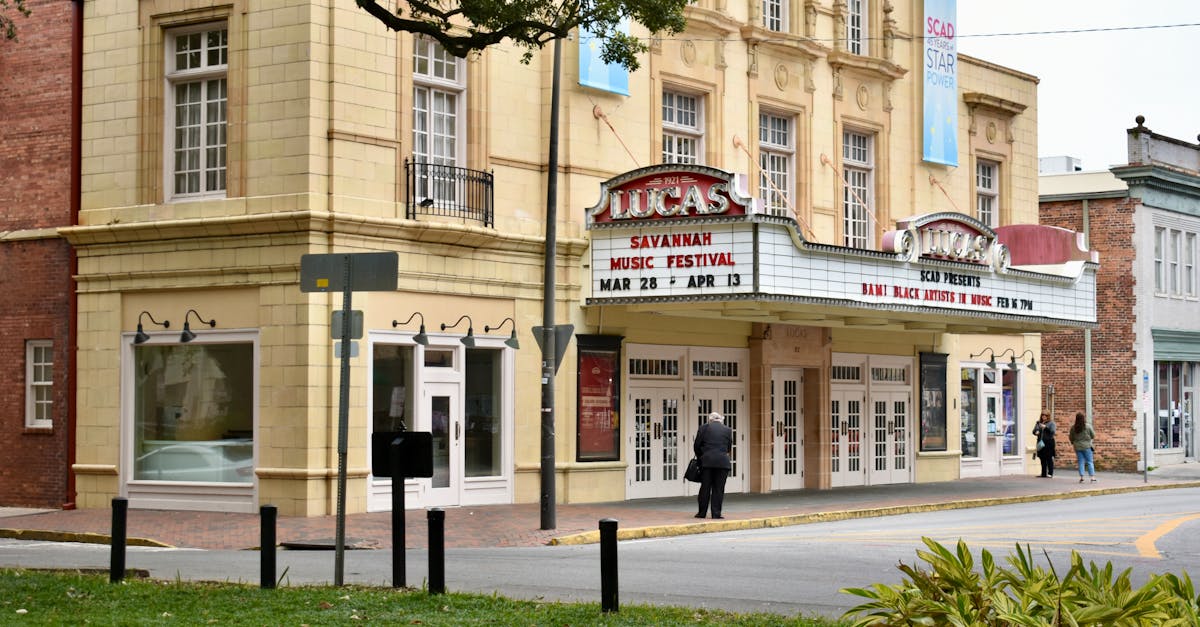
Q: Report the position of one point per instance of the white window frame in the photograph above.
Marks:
(1189, 265)
(1173, 242)
(987, 192)
(39, 384)
(438, 115)
(682, 127)
(858, 189)
(776, 162)
(775, 15)
(212, 125)
(857, 26)
(1160, 248)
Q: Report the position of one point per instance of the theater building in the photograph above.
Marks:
(749, 223)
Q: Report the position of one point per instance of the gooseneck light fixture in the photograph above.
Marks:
(187, 334)
(511, 342)
(1032, 362)
(468, 340)
(420, 337)
(1012, 361)
(141, 336)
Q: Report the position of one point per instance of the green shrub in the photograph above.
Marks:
(953, 591)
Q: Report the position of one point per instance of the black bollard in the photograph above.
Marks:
(437, 550)
(608, 565)
(116, 565)
(398, 541)
(266, 548)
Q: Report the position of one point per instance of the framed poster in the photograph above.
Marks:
(598, 428)
(933, 401)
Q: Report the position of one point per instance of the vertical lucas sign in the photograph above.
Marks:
(941, 83)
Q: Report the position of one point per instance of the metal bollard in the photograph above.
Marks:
(608, 565)
(266, 546)
(116, 564)
(437, 550)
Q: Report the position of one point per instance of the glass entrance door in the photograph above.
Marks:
(787, 416)
(444, 411)
(655, 443)
(845, 432)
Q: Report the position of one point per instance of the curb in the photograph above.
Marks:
(665, 531)
(76, 536)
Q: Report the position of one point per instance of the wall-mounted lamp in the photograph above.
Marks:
(187, 334)
(141, 336)
(420, 337)
(511, 342)
(1032, 362)
(991, 357)
(468, 340)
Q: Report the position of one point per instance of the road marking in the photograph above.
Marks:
(1145, 544)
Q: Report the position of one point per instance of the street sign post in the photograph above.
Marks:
(348, 273)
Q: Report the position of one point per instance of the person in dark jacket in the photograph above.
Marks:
(1045, 430)
(713, 444)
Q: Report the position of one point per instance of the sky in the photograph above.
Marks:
(1093, 84)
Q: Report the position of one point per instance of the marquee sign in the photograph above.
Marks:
(953, 236)
(666, 192)
(678, 250)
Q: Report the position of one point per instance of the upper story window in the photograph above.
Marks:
(682, 127)
(439, 135)
(858, 196)
(197, 65)
(1174, 262)
(39, 383)
(1189, 265)
(987, 192)
(776, 159)
(856, 26)
(775, 16)
(1160, 273)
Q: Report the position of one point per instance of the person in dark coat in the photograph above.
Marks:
(1045, 430)
(713, 445)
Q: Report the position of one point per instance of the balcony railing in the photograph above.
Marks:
(450, 191)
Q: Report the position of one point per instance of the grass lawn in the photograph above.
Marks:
(34, 597)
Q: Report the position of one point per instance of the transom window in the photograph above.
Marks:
(858, 168)
(856, 26)
(197, 65)
(987, 191)
(39, 383)
(774, 15)
(775, 161)
(682, 124)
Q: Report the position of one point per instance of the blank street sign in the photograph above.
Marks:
(369, 272)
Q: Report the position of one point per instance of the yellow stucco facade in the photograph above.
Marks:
(318, 123)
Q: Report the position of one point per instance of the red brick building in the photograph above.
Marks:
(39, 164)
(1135, 376)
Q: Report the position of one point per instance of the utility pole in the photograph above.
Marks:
(549, 352)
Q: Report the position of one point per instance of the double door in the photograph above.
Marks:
(869, 438)
(662, 426)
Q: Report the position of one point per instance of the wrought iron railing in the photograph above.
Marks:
(446, 190)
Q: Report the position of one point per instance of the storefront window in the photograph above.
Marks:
(482, 447)
(1173, 403)
(194, 412)
(1008, 418)
(392, 405)
(969, 401)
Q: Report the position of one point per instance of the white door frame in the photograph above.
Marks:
(871, 418)
(787, 427)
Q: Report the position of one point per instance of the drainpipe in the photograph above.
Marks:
(73, 259)
(1087, 333)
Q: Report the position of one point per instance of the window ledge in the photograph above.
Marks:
(38, 430)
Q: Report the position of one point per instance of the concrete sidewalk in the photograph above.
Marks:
(519, 524)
